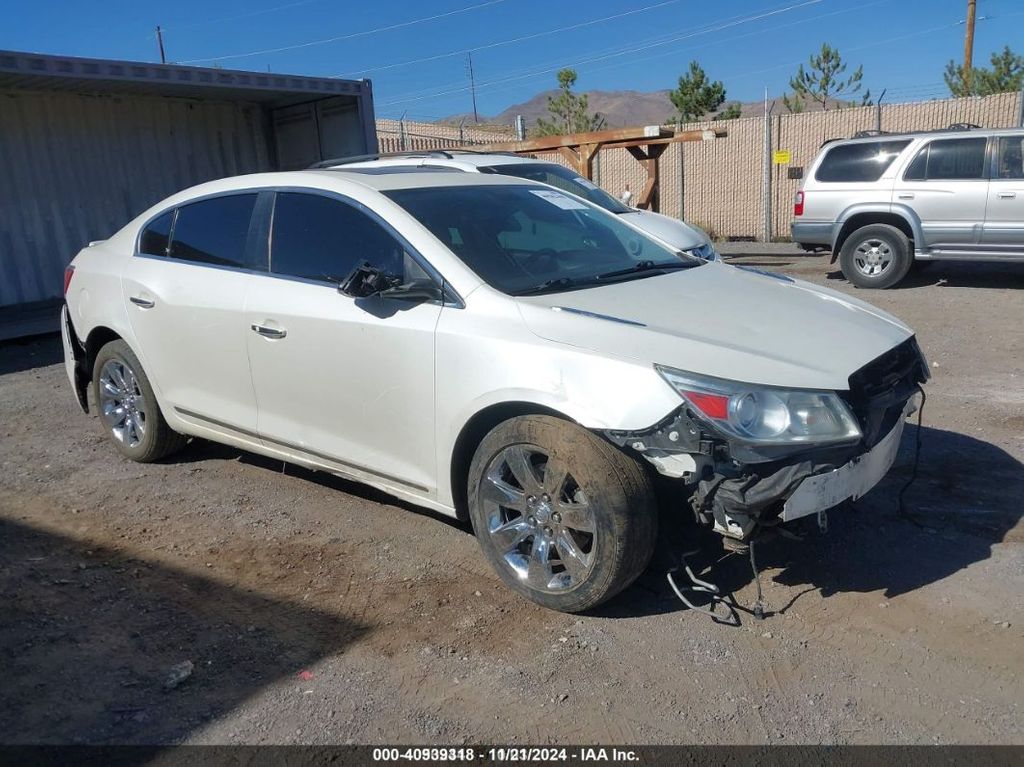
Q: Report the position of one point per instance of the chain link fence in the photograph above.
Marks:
(721, 184)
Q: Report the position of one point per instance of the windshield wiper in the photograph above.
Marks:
(646, 266)
(558, 283)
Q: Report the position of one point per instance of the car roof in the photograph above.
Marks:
(415, 179)
(941, 133)
(452, 158)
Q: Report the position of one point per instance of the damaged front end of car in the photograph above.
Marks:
(751, 457)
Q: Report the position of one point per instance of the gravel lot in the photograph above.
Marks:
(313, 610)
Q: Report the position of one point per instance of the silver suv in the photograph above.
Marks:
(881, 202)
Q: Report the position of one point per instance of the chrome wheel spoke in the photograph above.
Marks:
(577, 516)
(497, 491)
(539, 570)
(509, 535)
(517, 458)
(575, 561)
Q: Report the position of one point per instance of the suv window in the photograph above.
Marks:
(859, 162)
(949, 160)
(213, 231)
(157, 236)
(1010, 157)
(319, 238)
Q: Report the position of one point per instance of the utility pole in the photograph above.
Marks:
(160, 41)
(969, 44)
(472, 88)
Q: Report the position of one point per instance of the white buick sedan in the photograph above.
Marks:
(493, 349)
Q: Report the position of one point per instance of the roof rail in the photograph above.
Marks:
(868, 133)
(964, 126)
(380, 156)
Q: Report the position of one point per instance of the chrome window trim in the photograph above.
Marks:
(137, 250)
(452, 299)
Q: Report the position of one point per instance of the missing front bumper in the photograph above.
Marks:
(736, 506)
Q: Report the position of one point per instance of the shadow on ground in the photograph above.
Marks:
(956, 274)
(30, 353)
(965, 500)
(106, 629)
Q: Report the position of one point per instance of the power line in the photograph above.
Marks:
(713, 27)
(349, 36)
(510, 41)
(239, 16)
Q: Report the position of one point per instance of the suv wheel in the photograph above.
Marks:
(565, 518)
(876, 256)
(127, 406)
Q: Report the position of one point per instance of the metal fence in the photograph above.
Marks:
(406, 136)
(721, 184)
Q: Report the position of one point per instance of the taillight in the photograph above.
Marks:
(798, 204)
(69, 272)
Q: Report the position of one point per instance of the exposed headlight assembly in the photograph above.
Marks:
(764, 415)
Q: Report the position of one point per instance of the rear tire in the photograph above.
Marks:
(565, 518)
(876, 256)
(128, 408)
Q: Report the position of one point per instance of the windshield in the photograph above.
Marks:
(562, 178)
(528, 239)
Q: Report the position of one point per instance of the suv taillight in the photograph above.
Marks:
(798, 204)
(69, 272)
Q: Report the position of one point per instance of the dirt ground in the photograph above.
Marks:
(313, 610)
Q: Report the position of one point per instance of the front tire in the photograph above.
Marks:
(876, 256)
(127, 406)
(565, 518)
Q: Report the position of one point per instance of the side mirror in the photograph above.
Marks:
(364, 281)
(415, 290)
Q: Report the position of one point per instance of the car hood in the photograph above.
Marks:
(670, 230)
(719, 320)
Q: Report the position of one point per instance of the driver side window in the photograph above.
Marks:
(316, 237)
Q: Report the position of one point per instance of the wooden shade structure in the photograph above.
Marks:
(645, 143)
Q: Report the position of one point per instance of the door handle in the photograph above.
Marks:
(142, 303)
(906, 196)
(266, 332)
(1007, 195)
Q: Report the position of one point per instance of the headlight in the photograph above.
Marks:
(706, 252)
(763, 414)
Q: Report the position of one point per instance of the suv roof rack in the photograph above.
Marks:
(963, 126)
(867, 133)
(380, 156)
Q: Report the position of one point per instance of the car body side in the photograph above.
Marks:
(487, 363)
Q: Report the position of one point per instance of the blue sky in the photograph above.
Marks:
(414, 51)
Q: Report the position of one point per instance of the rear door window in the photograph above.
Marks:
(214, 231)
(859, 162)
(157, 235)
(1010, 157)
(955, 159)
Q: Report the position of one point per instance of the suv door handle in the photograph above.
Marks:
(143, 303)
(266, 332)
(906, 196)
(1007, 195)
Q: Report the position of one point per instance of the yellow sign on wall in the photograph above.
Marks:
(782, 156)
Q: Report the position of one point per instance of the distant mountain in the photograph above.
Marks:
(620, 108)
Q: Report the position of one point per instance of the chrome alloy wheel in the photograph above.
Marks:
(123, 406)
(872, 257)
(539, 519)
